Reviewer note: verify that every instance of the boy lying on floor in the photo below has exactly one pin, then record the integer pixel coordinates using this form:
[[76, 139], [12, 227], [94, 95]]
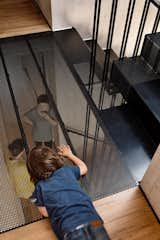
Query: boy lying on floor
[[59, 196]]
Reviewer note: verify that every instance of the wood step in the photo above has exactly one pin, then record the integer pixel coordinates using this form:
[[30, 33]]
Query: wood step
[[126, 215]]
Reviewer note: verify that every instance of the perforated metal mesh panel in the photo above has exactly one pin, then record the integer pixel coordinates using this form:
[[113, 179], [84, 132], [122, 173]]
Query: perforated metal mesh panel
[[14, 211]]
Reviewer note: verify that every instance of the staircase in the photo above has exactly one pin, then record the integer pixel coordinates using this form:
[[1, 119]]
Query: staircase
[[138, 80], [133, 127]]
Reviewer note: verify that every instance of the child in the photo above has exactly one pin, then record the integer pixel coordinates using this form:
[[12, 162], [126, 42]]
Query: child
[[59, 195], [18, 170], [16, 149], [41, 119]]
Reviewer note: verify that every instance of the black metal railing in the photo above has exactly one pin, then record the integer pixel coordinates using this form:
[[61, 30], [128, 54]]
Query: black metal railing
[[105, 81], [127, 26]]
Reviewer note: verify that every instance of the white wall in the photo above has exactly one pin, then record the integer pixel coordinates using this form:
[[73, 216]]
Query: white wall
[[79, 14]]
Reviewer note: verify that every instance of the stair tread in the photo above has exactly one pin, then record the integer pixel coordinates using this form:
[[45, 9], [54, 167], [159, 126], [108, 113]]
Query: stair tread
[[135, 70], [131, 138], [150, 94], [101, 53], [140, 86], [74, 45], [155, 38], [100, 57]]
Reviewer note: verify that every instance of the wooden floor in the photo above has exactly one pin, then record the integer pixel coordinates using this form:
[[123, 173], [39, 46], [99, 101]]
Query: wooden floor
[[20, 17], [127, 216]]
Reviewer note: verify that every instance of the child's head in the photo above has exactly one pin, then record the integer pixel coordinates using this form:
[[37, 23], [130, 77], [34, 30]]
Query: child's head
[[42, 162], [43, 103], [16, 147]]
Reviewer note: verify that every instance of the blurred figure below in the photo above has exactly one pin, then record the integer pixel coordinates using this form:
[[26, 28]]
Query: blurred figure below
[[42, 119]]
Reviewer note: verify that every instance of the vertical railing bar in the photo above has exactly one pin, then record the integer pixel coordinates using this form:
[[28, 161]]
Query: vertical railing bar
[[141, 28], [85, 144], [110, 28], [50, 96], [129, 25], [16, 109], [156, 22], [125, 27], [106, 67], [90, 75], [108, 48], [127, 30], [92, 71], [93, 42], [109, 44]]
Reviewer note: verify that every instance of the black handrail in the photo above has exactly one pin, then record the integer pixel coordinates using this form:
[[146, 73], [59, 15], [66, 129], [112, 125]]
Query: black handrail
[[20, 125], [62, 125]]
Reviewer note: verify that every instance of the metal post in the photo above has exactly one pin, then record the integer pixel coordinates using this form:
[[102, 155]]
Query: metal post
[[156, 22], [127, 27], [141, 28]]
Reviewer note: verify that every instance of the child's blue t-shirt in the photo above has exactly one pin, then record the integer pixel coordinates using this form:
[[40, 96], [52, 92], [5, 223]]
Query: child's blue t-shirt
[[67, 204]]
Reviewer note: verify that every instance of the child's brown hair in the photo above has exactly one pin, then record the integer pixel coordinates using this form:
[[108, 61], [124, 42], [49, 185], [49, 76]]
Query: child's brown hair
[[42, 162]]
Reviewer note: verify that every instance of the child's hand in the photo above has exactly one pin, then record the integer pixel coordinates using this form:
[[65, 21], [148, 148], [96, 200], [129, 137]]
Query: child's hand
[[43, 114], [64, 151]]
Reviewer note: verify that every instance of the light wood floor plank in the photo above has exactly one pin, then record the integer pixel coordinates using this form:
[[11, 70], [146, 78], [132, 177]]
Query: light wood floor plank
[[127, 216]]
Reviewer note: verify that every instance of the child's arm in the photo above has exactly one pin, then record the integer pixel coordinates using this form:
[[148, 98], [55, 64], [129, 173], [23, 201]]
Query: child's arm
[[65, 151], [43, 211], [51, 120], [27, 121]]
